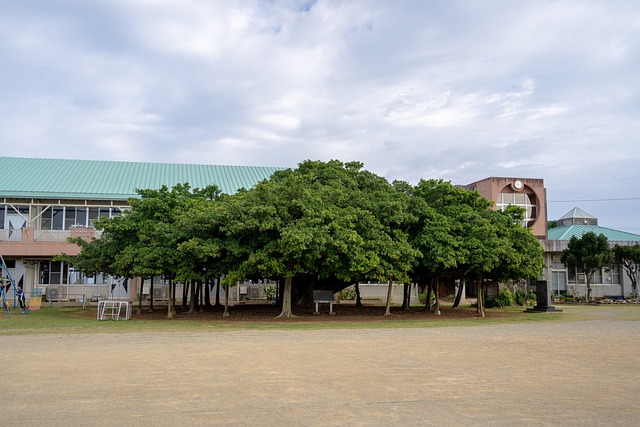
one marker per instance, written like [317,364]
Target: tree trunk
[588,286]
[140,296]
[406,297]
[226,301]
[185,296]
[207,293]
[286,298]
[427,303]
[200,291]
[387,311]
[480,290]
[436,292]
[173,296]
[218,284]
[151,296]
[358,300]
[456,303]
[192,291]
[170,311]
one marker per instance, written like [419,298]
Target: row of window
[64,217]
[59,273]
[55,217]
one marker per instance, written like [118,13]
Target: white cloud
[456,90]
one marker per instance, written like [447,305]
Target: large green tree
[629,259]
[145,240]
[590,253]
[329,220]
[460,236]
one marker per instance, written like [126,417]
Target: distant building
[610,281]
[527,193]
[530,194]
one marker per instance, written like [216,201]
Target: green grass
[75,320]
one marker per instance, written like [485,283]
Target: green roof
[568,231]
[577,213]
[110,180]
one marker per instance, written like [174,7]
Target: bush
[269,292]
[347,294]
[520,297]
[504,299]
[422,298]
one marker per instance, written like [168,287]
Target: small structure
[543,303]
[112,309]
[323,297]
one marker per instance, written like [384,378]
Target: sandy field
[543,373]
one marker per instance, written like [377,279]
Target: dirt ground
[542,373]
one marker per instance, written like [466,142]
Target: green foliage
[270,291]
[422,297]
[629,259]
[347,294]
[332,221]
[590,252]
[520,297]
[504,299]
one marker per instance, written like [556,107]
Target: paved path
[569,373]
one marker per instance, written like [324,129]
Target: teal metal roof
[569,231]
[577,213]
[109,180]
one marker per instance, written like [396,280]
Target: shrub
[422,298]
[520,297]
[504,299]
[269,292]
[347,294]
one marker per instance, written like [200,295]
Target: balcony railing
[51,235]
[29,235]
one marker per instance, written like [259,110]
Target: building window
[96,213]
[52,218]
[6,212]
[612,275]
[53,273]
[65,217]
[522,200]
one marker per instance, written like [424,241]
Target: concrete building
[45,201]
[610,281]
[527,193]
[530,194]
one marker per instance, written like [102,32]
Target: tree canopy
[320,224]
[629,258]
[590,252]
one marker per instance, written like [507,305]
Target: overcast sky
[458,90]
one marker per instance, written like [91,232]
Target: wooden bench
[323,297]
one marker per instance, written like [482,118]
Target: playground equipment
[5,284]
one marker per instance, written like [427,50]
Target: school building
[43,202]
[530,194]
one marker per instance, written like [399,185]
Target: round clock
[518,184]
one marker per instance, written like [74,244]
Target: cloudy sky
[458,90]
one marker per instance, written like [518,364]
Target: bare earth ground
[536,373]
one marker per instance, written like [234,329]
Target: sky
[456,90]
